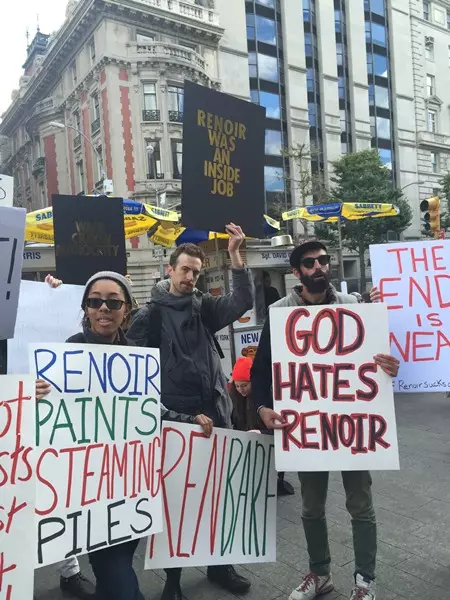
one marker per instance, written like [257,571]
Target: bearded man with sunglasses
[310,263]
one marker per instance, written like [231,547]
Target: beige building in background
[337,75]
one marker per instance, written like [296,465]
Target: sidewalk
[413,510]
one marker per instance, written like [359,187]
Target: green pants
[358,493]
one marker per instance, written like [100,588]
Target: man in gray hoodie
[181,322]
[310,263]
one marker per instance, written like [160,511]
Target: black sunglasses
[111,303]
[309,262]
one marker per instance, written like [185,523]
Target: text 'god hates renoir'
[343,382]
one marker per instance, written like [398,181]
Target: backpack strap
[155,327]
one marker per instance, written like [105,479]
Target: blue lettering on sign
[31,255]
[249,338]
[44,216]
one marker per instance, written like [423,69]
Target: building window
[434,162]
[95,107]
[177,159]
[379,66]
[274,142]
[80,172]
[92,51]
[95,104]
[267,67]
[429,47]
[431,85]
[386,157]
[271,103]
[252,68]
[150,112]
[273,179]
[73,72]
[383,128]
[266,30]
[189,45]
[448,19]
[99,158]
[77,120]
[176,103]
[432,120]
[251,30]
[143,39]
[426,10]
[43,197]
[154,170]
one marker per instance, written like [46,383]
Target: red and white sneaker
[364,589]
[313,586]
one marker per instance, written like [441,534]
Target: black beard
[314,284]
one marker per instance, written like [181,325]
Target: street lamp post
[59,125]
[151,153]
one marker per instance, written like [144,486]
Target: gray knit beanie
[117,277]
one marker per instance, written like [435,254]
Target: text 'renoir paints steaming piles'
[414,282]
[98,448]
[219,499]
[17,487]
[338,402]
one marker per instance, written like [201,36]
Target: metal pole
[341,257]
[161,258]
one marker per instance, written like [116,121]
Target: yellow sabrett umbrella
[138,219]
[341,211]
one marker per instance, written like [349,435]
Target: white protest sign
[339,404]
[44,315]
[219,497]
[6,190]
[17,487]
[98,447]
[414,281]
[12,233]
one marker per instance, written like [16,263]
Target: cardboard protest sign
[98,447]
[44,315]
[17,487]
[6,190]
[338,402]
[12,231]
[219,498]
[223,161]
[414,281]
[246,342]
[89,237]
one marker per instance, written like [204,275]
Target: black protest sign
[89,237]
[223,161]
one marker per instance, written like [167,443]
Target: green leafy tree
[361,177]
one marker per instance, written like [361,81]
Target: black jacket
[88,337]
[192,379]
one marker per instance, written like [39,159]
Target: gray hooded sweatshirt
[192,379]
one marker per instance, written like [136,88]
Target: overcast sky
[20,15]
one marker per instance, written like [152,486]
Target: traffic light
[432,217]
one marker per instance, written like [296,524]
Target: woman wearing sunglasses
[107,303]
